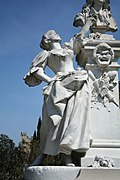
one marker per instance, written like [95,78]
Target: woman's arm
[42,76]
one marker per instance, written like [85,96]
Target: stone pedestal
[71,173]
[86,53]
[105,128]
[105,121]
[98,54]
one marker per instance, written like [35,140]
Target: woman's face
[99,2]
[54,37]
[49,38]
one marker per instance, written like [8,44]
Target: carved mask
[103,55]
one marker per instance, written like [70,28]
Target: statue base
[113,154]
[71,173]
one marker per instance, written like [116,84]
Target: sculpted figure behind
[96,17]
[65,115]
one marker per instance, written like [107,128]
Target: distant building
[25,142]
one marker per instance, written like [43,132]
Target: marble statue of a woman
[65,115]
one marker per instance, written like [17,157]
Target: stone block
[71,173]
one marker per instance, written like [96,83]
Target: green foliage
[54,160]
[38,129]
[11,160]
[34,152]
[35,144]
[34,135]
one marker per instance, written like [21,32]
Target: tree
[35,149]
[35,143]
[38,128]
[12,159]
[34,135]
[8,158]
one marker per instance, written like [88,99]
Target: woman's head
[48,38]
[106,3]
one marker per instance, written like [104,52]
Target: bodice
[61,60]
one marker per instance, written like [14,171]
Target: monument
[81,112]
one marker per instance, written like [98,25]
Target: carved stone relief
[103,86]
[103,162]
[103,55]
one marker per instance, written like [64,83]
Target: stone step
[71,173]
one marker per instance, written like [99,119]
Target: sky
[22,24]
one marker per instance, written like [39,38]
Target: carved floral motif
[103,162]
[103,88]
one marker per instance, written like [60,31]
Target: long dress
[66,109]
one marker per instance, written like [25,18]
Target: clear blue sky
[22,23]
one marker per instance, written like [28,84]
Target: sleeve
[80,52]
[39,61]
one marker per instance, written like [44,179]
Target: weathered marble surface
[86,56]
[105,114]
[65,115]
[68,107]
[96,17]
[71,173]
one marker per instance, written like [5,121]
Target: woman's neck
[98,7]
[55,45]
